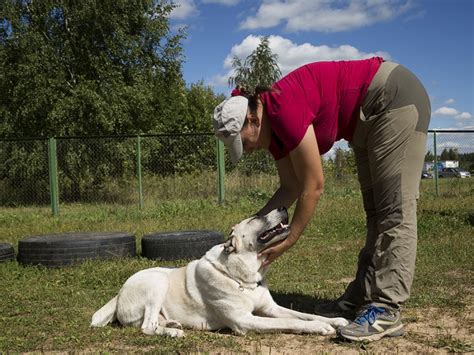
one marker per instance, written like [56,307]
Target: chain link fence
[24,177]
[449,163]
[147,169]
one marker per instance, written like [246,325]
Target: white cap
[229,118]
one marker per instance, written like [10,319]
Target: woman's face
[252,134]
[249,135]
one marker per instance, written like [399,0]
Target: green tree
[453,154]
[260,68]
[200,101]
[444,154]
[466,161]
[429,157]
[88,67]
[450,154]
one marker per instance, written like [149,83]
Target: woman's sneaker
[373,323]
[336,308]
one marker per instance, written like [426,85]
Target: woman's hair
[253,99]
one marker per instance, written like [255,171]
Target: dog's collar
[242,288]
[240,284]
[243,285]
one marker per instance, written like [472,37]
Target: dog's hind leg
[153,299]
[150,318]
[170,323]
[169,328]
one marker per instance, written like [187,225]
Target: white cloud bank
[323,15]
[291,55]
[452,112]
[184,9]
[462,120]
[222,2]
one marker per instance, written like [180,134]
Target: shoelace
[370,315]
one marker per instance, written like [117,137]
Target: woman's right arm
[289,189]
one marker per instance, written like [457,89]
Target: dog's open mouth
[281,228]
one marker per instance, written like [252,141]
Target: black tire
[57,250]
[180,245]
[6,252]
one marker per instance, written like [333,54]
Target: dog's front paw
[338,322]
[323,328]
[328,330]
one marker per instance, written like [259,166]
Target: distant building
[429,166]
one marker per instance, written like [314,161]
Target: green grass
[50,309]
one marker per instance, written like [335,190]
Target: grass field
[44,310]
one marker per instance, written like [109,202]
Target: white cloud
[446,111]
[184,9]
[449,101]
[457,119]
[464,115]
[188,8]
[323,15]
[292,55]
[452,112]
[222,2]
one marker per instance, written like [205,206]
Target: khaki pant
[389,144]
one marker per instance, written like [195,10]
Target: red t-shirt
[327,95]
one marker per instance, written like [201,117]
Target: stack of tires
[59,250]
[179,245]
[7,252]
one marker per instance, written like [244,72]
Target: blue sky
[433,38]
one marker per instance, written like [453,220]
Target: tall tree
[450,154]
[453,154]
[260,68]
[429,157]
[200,103]
[72,67]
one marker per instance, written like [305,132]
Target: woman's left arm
[308,169]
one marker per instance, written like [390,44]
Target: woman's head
[229,118]
[237,122]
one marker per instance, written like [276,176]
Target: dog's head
[258,232]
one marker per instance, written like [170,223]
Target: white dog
[223,289]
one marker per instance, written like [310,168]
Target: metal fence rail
[147,169]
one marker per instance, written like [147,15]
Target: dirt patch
[427,331]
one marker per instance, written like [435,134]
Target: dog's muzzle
[281,229]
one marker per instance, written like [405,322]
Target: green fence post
[53,176]
[435,164]
[220,171]
[139,172]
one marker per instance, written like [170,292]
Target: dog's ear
[229,245]
[233,244]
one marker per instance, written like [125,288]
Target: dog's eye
[243,236]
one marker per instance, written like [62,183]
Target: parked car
[426,175]
[454,172]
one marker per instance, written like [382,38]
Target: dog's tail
[105,315]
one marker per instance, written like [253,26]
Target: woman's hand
[275,251]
